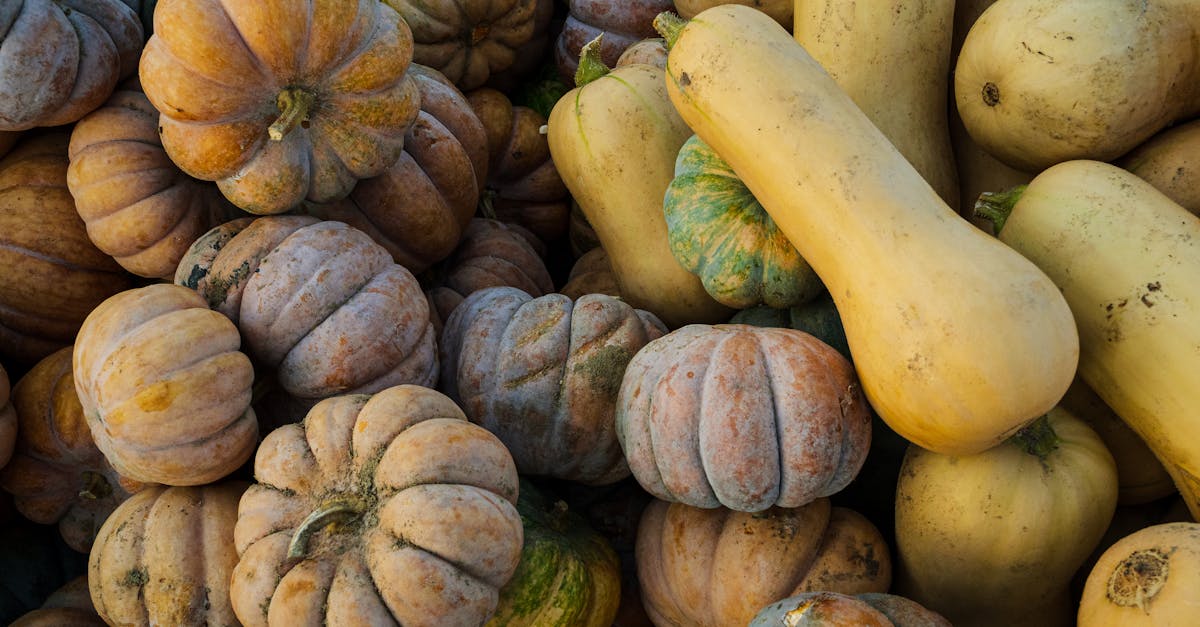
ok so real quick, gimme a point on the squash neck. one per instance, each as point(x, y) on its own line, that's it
point(996, 207)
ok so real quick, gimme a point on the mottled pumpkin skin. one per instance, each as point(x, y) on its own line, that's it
point(57, 475)
point(70, 605)
point(222, 74)
point(8, 419)
point(419, 206)
point(717, 567)
point(53, 274)
point(139, 207)
point(164, 386)
point(742, 417)
point(61, 59)
point(833, 609)
point(166, 555)
point(543, 375)
point(719, 232)
point(428, 533)
point(623, 22)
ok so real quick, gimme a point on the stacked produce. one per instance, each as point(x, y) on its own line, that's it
point(600, 312)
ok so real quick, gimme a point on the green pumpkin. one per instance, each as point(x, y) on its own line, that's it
point(568, 574)
point(817, 317)
point(720, 233)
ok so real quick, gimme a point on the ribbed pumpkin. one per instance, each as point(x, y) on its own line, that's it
point(832, 609)
point(523, 186)
point(280, 100)
point(60, 60)
point(717, 567)
point(591, 274)
point(8, 419)
point(543, 374)
point(164, 386)
point(377, 510)
point(418, 207)
point(623, 23)
point(719, 232)
point(743, 417)
point(468, 40)
point(568, 574)
point(57, 475)
point(53, 274)
point(165, 557)
point(312, 297)
point(68, 606)
point(139, 207)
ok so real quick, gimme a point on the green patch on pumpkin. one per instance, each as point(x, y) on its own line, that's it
point(605, 368)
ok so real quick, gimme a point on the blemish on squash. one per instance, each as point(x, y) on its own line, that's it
point(1138, 578)
point(605, 368)
point(991, 94)
point(157, 397)
point(684, 80)
point(135, 578)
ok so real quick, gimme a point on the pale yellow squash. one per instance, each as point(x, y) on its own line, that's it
point(1170, 161)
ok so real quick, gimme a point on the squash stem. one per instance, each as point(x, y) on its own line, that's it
point(293, 104)
point(337, 511)
point(95, 486)
point(669, 25)
point(591, 63)
point(1037, 438)
point(997, 206)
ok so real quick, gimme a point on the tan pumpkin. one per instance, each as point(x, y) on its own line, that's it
point(8, 419)
point(57, 475)
point(591, 274)
point(164, 386)
point(280, 101)
point(68, 606)
point(1148, 578)
point(53, 275)
point(60, 60)
point(418, 207)
point(377, 510)
point(543, 375)
point(165, 557)
point(139, 207)
point(716, 567)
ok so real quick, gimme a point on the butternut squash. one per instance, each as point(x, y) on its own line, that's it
point(958, 340)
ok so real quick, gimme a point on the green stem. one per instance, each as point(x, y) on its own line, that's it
point(337, 511)
point(591, 64)
point(669, 25)
point(1037, 438)
point(95, 486)
point(997, 206)
point(293, 104)
point(486, 207)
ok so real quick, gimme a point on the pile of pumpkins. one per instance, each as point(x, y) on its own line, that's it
point(599, 312)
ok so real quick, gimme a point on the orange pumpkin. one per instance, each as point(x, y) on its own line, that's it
point(591, 274)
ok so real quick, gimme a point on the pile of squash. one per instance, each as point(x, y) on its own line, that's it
point(599, 312)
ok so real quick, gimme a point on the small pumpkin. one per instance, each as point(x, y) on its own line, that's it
point(61, 60)
point(742, 417)
point(817, 317)
point(70, 605)
point(543, 374)
point(378, 509)
point(1147, 578)
point(833, 609)
point(164, 386)
point(165, 557)
point(57, 475)
point(279, 101)
point(718, 567)
point(623, 23)
point(591, 274)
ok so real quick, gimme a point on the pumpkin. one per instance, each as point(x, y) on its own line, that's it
point(310, 297)
point(530, 57)
point(1146, 578)
point(60, 60)
point(57, 475)
point(568, 574)
point(138, 206)
point(718, 567)
point(468, 40)
point(69, 605)
point(8, 419)
point(817, 317)
point(623, 23)
point(378, 509)
point(281, 100)
point(717, 230)
point(34, 562)
point(833, 609)
point(418, 207)
point(650, 51)
point(591, 274)
point(165, 557)
point(994, 538)
point(1167, 160)
point(523, 186)
point(543, 374)
point(743, 417)
point(164, 386)
point(53, 275)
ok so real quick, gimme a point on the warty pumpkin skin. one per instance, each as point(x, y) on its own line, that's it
point(380, 509)
point(1146, 579)
point(716, 567)
point(279, 101)
point(164, 386)
point(166, 555)
point(61, 59)
point(543, 375)
point(742, 417)
point(57, 475)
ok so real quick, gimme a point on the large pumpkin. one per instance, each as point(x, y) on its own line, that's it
point(137, 204)
point(377, 510)
point(742, 416)
point(57, 475)
point(280, 100)
point(543, 374)
point(164, 386)
point(60, 60)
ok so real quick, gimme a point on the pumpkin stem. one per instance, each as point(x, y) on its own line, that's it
point(338, 511)
point(997, 206)
point(486, 208)
point(1037, 438)
point(591, 64)
point(95, 486)
point(669, 25)
point(293, 104)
